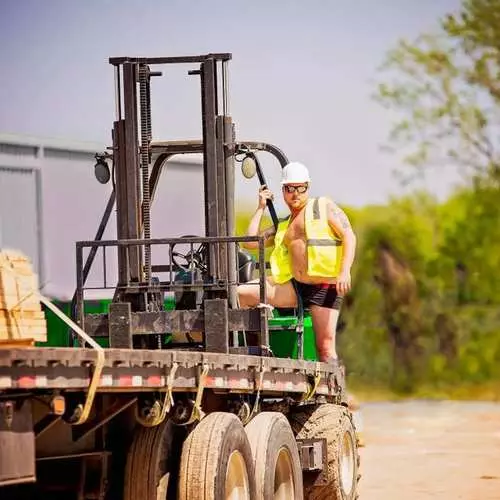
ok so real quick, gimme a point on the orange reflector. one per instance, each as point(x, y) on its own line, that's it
point(58, 405)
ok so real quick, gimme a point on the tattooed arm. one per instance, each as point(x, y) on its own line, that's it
point(339, 222)
point(253, 230)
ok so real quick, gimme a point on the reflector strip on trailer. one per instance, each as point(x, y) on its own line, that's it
point(5, 382)
point(106, 380)
point(26, 382)
point(54, 378)
point(125, 381)
point(155, 381)
point(128, 370)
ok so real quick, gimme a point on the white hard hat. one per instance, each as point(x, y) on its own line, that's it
point(294, 173)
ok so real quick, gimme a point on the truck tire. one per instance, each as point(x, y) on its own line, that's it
point(333, 423)
point(278, 471)
point(149, 471)
point(216, 461)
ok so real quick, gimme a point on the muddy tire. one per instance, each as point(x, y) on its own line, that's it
point(278, 471)
point(150, 471)
point(216, 461)
point(333, 423)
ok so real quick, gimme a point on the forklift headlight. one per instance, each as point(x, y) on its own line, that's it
point(248, 167)
point(101, 171)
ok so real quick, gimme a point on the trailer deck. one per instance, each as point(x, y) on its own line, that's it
point(149, 370)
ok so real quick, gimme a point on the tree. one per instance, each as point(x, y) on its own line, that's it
point(445, 90)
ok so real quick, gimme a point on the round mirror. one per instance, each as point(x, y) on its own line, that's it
point(248, 167)
point(101, 171)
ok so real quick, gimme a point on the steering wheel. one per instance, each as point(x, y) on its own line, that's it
point(194, 258)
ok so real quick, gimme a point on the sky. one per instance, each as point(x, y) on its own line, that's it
point(301, 77)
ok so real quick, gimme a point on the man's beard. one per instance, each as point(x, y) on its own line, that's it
point(297, 205)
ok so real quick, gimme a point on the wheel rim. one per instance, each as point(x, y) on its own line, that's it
point(283, 476)
point(347, 463)
point(237, 484)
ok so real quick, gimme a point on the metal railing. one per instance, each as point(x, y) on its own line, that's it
point(171, 268)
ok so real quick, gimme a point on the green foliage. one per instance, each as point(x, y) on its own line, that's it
point(455, 320)
point(444, 89)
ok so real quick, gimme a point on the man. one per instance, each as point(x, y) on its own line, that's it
point(314, 249)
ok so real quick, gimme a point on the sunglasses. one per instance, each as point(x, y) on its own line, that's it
point(296, 189)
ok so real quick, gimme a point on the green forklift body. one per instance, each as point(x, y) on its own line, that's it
point(282, 335)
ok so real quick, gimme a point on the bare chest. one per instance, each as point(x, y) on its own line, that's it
point(296, 230)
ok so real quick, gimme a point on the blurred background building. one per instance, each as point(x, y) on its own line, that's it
point(50, 198)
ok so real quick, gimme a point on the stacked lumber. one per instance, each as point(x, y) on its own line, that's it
point(22, 320)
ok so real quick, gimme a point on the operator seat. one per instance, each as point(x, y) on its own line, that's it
point(246, 266)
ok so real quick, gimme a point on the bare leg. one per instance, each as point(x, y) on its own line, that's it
point(324, 322)
point(282, 295)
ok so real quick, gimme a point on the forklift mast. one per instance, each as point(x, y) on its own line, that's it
point(132, 149)
point(137, 308)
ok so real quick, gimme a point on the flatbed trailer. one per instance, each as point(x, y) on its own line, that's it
point(71, 369)
point(129, 410)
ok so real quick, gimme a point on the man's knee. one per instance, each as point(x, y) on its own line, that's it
point(247, 296)
point(242, 296)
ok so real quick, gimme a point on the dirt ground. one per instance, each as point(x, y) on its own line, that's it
point(437, 450)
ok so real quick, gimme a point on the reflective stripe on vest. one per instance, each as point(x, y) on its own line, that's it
point(324, 249)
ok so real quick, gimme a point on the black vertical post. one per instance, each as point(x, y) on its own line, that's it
point(230, 186)
point(121, 197)
point(222, 229)
point(131, 165)
point(119, 316)
point(80, 303)
point(264, 327)
point(232, 262)
point(209, 113)
point(216, 329)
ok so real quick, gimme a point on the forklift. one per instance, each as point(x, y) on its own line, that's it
point(169, 390)
point(203, 271)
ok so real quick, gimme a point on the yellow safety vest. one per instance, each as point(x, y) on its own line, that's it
point(324, 249)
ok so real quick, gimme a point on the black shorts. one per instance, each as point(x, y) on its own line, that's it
point(320, 294)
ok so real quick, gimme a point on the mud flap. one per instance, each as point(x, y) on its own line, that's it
point(17, 443)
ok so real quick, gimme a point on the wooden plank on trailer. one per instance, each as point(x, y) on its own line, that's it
point(16, 343)
point(16, 331)
point(21, 315)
